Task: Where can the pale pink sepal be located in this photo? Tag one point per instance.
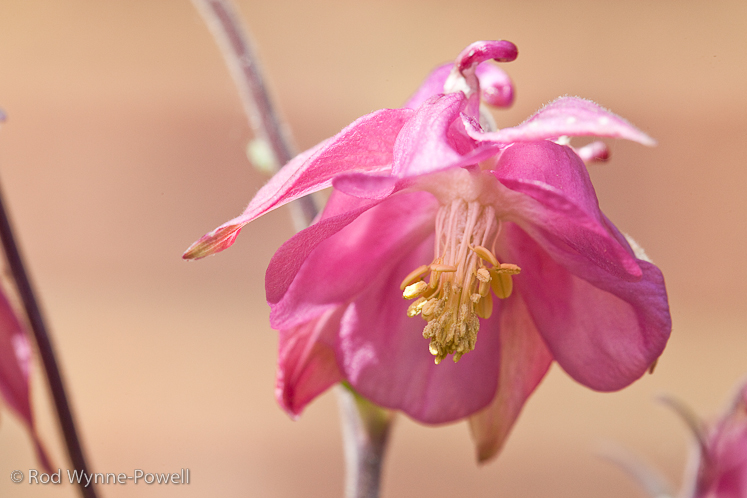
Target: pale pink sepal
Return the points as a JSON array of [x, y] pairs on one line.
[[524, 362], [15, 366], [567, 116], [365, 145]]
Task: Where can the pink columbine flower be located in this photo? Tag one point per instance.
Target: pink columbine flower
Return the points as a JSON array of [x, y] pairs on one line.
[[718, 467], [495, 239], [15, 366], [722, 468]]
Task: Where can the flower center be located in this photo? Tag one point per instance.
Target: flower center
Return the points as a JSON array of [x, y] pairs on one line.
[[458, 289]]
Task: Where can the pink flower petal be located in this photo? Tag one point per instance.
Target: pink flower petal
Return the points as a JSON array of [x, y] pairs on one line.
[[559, 209], [722, 472], [524, 362], [604, 331], [567, 116], [385, 358], [306, 361], [433, 85], [365, 186], [423, 145], [547, 163], [333, 261], [365, 145], [496, 88], [15, 362], [481, 51], [434, 139], [15, 366]]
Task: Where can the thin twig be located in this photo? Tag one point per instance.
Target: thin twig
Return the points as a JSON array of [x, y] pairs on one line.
[[242, 62], [46, 350]]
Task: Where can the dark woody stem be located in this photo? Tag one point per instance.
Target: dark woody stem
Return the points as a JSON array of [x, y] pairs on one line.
[[46, 350], [365, 426]]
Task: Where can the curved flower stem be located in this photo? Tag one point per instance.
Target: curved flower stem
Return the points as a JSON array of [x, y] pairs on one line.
[[365, 429], [242, 62], [365, 425], [46, 350]]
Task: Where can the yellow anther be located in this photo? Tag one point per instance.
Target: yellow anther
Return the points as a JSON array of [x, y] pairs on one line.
[[413, 276], [415, 290], [484, 307], [432, 307], [429, 291], [485, 254], [483, 276], [453, 293], [508, 269], [502, 284], [415, 308]]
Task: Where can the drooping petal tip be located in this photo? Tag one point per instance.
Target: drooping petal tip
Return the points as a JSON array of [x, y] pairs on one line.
[[214, 242], [524, 362], [306, 364]]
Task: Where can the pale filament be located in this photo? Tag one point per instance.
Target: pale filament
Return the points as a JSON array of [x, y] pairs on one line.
[[459, 283]]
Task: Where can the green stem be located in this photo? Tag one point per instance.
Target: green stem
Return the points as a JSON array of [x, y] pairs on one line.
[[365, 430]]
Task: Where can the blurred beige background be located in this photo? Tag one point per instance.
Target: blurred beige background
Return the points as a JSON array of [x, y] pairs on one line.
[[125, 142]]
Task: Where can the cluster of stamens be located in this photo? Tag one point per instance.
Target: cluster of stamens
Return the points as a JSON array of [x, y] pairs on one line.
[[457, 292]]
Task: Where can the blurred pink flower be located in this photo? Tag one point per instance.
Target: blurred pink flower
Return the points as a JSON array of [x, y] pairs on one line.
[[433, 191], [717, 467], [15, 365], [722, 469]]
